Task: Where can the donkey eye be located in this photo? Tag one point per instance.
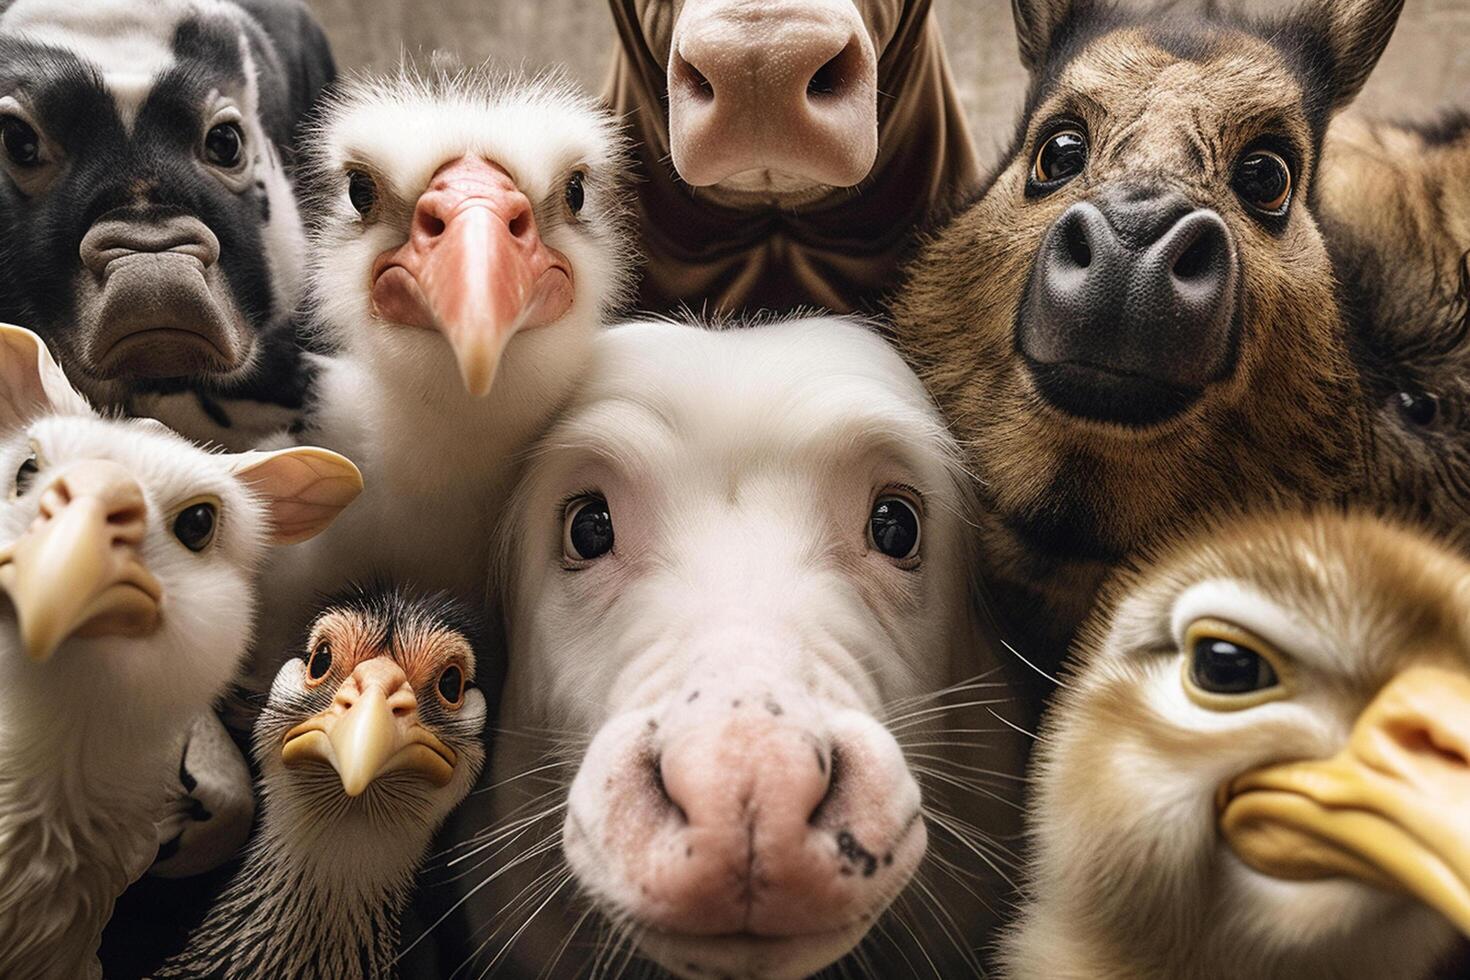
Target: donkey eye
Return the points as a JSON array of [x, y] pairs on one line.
[[1061, 157], [893, 528], [224, 145], [1417, 407], [589, 529], [362, 191], [576, 195], [22, 144], [1263, 180]]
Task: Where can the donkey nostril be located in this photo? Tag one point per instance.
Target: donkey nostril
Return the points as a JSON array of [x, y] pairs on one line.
[[1079, 250]]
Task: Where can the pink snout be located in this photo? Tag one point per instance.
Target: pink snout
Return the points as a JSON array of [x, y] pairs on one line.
[[785, 86]]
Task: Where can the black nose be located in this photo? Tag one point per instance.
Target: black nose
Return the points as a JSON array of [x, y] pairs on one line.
[[1131, 307]]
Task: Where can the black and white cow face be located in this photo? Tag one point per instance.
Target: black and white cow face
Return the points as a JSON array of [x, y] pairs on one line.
[[151, 228]]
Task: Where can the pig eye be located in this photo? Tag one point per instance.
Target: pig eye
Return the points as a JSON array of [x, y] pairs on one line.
[[893, 528], [224, 145], [362, 191], [1227, 668], [26, 475], [320, 661], [576, 195], [22, 144], [588, 530], [1263, 180], [1061, 157], [195, 525], [1417, 408], [451, 685]]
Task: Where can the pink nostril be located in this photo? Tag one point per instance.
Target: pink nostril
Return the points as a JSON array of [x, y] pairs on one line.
[[833, 79]]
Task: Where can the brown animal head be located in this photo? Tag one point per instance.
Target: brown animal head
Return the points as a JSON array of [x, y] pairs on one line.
[[1394, 204], [1136, 321]]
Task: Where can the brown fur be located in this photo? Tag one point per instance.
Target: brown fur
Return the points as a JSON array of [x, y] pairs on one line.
[[1167, 103]]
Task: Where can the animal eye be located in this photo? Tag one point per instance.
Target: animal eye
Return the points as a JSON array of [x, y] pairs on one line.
[[195, 525], [576, 195], [320, 662], [589, 529], [1061, 157], [1221, 666], [893, 527], [26, 474], [1417, 407], [362, 191], [224, 145], [451, 685], [1263, 180], [22, 144]]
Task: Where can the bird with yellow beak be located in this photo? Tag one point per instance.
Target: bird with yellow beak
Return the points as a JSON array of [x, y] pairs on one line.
[[368, 740], [1262, 765]]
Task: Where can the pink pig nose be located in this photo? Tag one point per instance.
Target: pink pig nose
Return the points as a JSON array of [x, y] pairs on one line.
[[782, 86]]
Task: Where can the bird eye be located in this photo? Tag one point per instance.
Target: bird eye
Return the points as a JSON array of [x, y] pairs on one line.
[[588, 532], [451, 685], [1060, 158], [576, 194], [320, 662], [893, 527], [26, 474], [224, 145], [1417, 407], [22, 144], [362, 191], [1227, 667], [196, 524], [1263, 180]]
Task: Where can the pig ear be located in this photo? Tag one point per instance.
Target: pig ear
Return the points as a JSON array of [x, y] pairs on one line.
[[31, 383], [304, 488], [1357, 33], [1037, 24]]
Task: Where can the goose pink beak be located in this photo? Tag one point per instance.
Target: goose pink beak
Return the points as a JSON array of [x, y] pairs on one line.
[[474, 268]]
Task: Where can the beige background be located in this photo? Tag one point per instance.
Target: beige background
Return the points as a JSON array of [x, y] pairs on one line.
[[1426, 65]]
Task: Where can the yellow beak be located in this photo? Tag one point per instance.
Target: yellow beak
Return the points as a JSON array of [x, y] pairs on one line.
[[1391, 809], [77, 571], [371, 728]]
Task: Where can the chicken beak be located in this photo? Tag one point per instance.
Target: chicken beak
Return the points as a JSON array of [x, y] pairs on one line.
[[372, 728], [1391, 809], [474, 268], [77, 571]]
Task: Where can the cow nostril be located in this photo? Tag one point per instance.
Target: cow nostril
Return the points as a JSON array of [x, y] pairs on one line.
[[694, 80], [1078, 249], [827, 79], [833, 78], [1197, 260]]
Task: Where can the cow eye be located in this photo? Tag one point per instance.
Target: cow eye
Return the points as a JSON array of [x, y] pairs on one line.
[[451, 685], [576, 195], [893, 527], [1417, 407], [320, 661], [224, 145], [362, 191], [1263, 180], [22, 144], [588, 531], [1060, 158]]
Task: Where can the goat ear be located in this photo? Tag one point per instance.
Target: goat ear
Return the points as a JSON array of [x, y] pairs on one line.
[[31, 382], [1357, 33], [304, 488], [1037, 22]]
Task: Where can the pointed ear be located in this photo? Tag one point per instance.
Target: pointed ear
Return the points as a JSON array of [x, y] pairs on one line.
[[305, 488], [31, 383], [1037, 22], [1357, 33]]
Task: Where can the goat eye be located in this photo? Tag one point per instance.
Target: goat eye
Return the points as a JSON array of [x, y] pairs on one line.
[[1061, 157], [26, 474], [362, 191], [195, 525], [1417, 407], [1222, 666], [1263, 180], [224, 145], [893, 527], [22, 144], [589, 529], [320, 662], [576, 195], [451, 685]]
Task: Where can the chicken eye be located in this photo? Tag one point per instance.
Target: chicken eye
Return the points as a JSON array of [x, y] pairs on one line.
[[195, 525], [893, 527], [362, 191], [1417, 407], [224, 145], [588, 532], [26, 475], [451, 685], [320, 662], [22, 144], [1263, 180], [1060, 158], [1221, 666], [576, 195]]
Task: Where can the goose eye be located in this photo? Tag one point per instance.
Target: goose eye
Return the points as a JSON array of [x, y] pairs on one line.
[[26, 474], [195, 525], [22, 144], [589, 529], [362, 191], [1417, 407], [224, 145], [1061, 157], [576, 195], [320, 662], [1263, 180], [893, 528], [451, 685]]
